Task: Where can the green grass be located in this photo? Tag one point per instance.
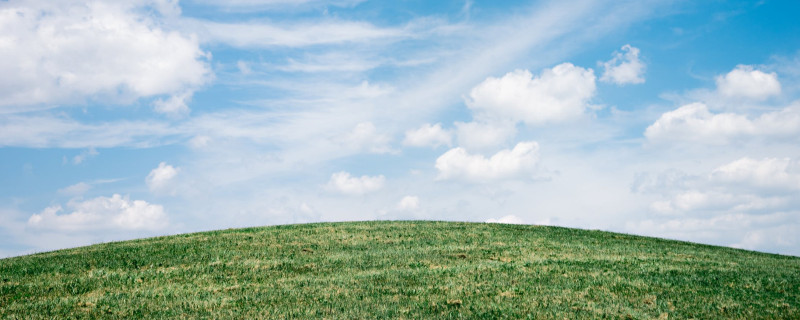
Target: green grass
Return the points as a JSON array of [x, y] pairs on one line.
[[413, 270]]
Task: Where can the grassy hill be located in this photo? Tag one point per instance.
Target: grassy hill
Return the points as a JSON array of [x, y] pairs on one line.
[[412, 270]]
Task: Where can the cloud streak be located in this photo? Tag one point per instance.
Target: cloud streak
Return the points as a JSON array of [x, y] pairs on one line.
[[265, 35]]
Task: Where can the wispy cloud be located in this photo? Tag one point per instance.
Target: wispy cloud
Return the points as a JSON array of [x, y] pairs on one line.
[[265, 35], [251, 5], [61, 132]]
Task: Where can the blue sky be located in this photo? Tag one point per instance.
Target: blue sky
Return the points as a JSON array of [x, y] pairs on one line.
[[673, 119]]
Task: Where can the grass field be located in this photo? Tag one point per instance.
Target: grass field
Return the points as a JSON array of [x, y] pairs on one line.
[[413, 270]]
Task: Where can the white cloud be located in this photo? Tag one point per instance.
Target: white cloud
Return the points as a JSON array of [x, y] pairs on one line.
[[91, 152], [767, 173], [102, 213], [49, 131], [176, 105], [557, 94], [199, 142], [730, 229], [260, 35], [660, 183], [458, 164], [784, 236], [339, 62], [342, 182], [745, 185], [70, 52], [696, 201], [160, 178], [428, 136], [365, 136], [479, 135], [694, 122], [409, 203], [250, 5], [509, 219], [306, 209], [75, 189], [625, 67], [244, 67], [713, 203], [746, 82], [366, 90]]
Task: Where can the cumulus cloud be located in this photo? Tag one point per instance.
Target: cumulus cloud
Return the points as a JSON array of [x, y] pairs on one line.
[[409, 203], [509, 219], [70, 52], [694, 122], [477, 135], [746, 82], [458, 164], [102, 213], [428, 136], [624, 68], [343, 183], [557, 94], [160, 178]]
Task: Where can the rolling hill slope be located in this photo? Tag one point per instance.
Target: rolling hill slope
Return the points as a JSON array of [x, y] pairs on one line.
[[401, 270]]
